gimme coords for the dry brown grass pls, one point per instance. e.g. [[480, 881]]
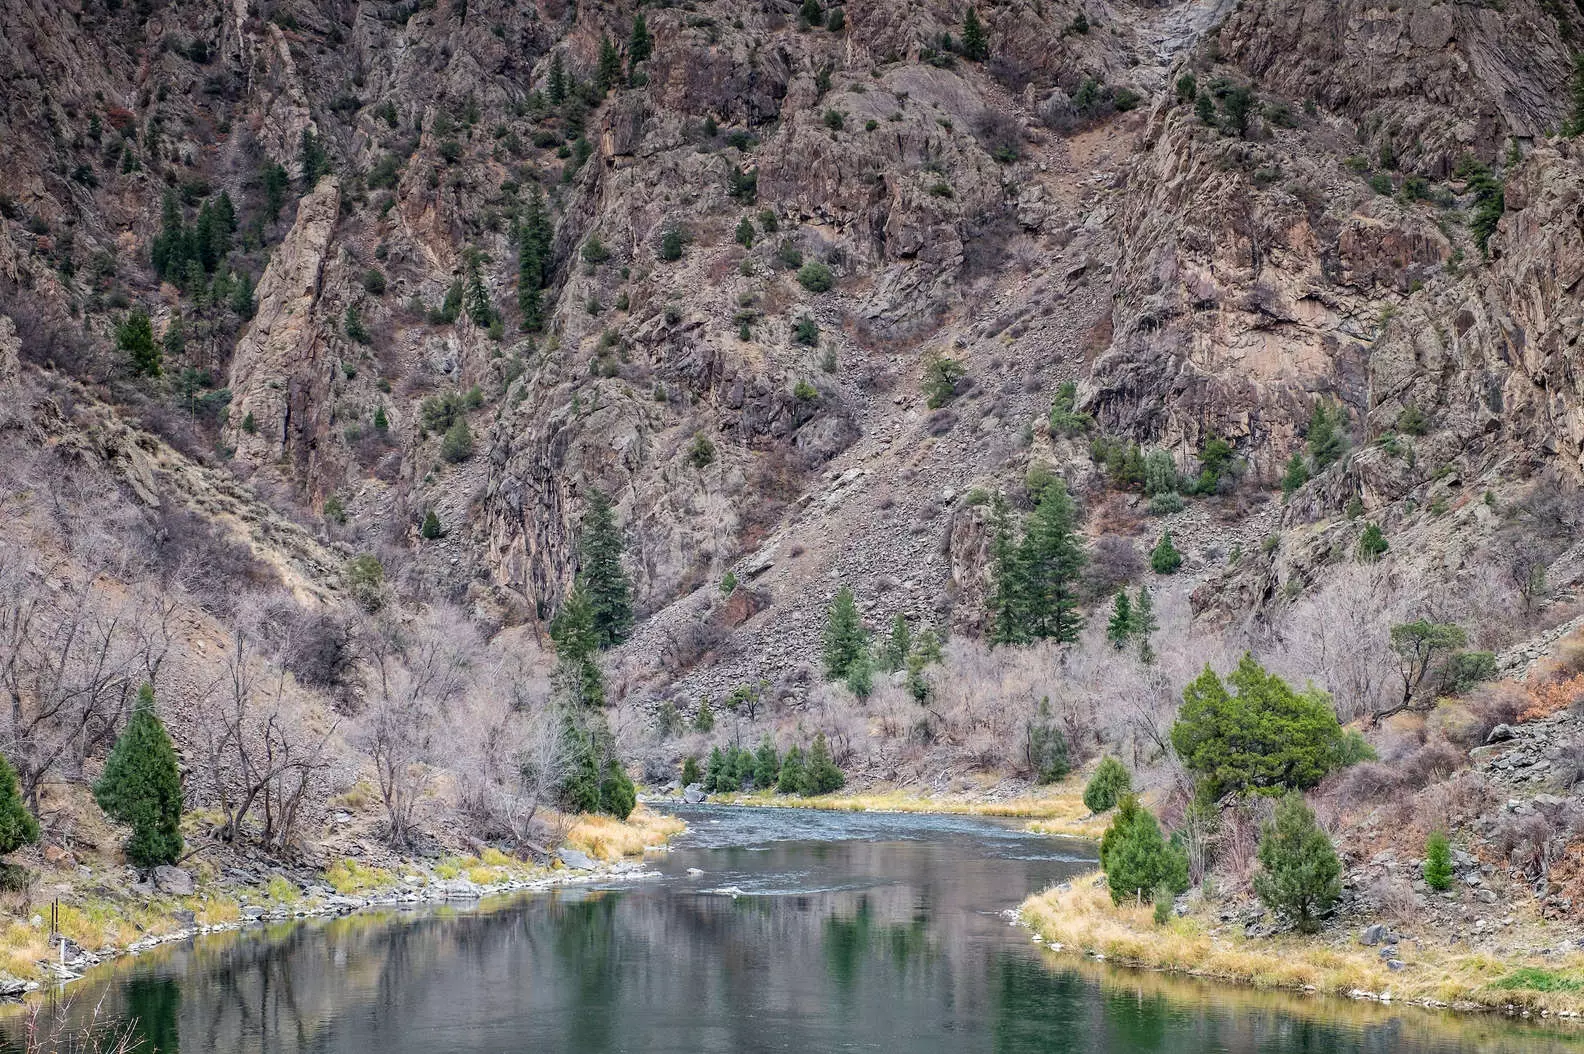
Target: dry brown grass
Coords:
[[1057, 809], [1083, 919], [607, 838]]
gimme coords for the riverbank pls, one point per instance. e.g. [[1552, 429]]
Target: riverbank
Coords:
[[1057, 809], [103, 916], [1078, 917]]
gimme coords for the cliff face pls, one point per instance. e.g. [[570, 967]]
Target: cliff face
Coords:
[[1058, 211]]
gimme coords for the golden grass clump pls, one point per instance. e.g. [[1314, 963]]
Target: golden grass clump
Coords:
[[1081, 918], [607, 838]]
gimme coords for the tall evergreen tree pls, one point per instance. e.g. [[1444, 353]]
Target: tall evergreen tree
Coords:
[[639, 44], [476, 293], [1007, 615], [609, 64], [17, 825], [601, 573], [1145, 624], [1299, 870], [793, 775], [556, 89], [169, 250], [898, 644], [141, 786], [534, 237], [844, 637], [822, 776], [577, 642], [1326, 436], [313, 162], [1052, 558], [1120, 628], [135, 337], [767, 764], [975, 44]]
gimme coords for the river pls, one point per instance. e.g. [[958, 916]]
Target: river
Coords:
[[769, 930]]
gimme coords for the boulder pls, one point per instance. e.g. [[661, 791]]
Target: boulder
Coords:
[[1372, 934], [173, 881], [1500, 734], [694, 794], [576, 861]]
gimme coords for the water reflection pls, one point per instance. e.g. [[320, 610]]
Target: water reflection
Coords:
[[805, 932]]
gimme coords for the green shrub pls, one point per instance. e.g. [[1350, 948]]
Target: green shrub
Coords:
[[17, 825], [1260, 737], [1438, 862], [1136, 859], [1299, 870], [431, 529], [941, 374], [1109, 784], [815, 277], [457, 446], [1372, 543], [1164, 558], [806, 331], [702, 453], [141, 786]]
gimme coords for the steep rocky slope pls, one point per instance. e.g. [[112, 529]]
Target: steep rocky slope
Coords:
[[759, 233]]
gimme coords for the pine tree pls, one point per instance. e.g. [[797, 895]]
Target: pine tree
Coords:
[[381, 421], [1051, 558], [1109, 784], [812, 13], [1438, 862], [557, 87], [860, 676], [897, 645], [975, 45], [135, 337], [690, 771], [431, 526], [609, 75], [312, 160], [1145, 624], [476, 294], [169, 250], [844, 637], [793, 773], [601, 572], [767, 764], [1120, 628], [141, 786], [822, 776], [1006, 608], [639, 44], [17, 825], [1297, 474], [534, 237], [704, 720], [1046, 746], [457, 445], [1299, 870], [745, 233], [1164, 558], [577, 641]]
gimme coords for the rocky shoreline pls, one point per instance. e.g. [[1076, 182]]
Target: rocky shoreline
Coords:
[[416, 888], [1077, 918]]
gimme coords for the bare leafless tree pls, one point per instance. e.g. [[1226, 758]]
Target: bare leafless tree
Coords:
[[419, 669]]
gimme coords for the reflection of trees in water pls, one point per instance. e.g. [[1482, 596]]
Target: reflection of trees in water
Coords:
[[871, 945], [153, 1004]]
